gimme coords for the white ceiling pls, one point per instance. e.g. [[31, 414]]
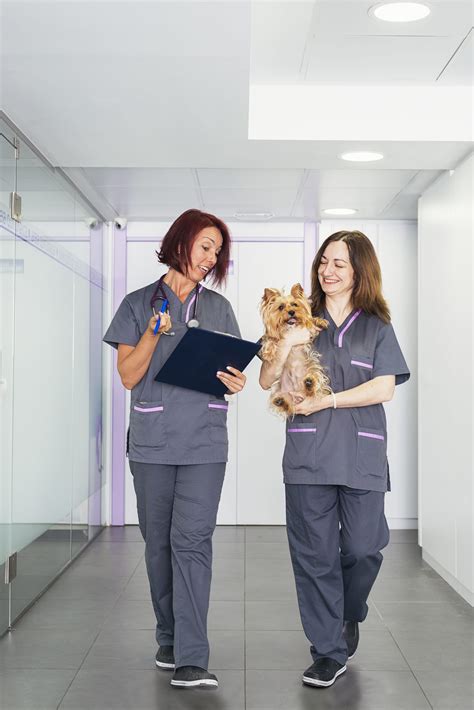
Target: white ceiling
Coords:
[[146, 103]]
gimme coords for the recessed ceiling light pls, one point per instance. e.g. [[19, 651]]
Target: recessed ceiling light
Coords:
[[400, 11], [253, 215], [340, 211], [362, 156]]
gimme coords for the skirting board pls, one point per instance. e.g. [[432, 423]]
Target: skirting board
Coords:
[[402, 523], [463, 591]]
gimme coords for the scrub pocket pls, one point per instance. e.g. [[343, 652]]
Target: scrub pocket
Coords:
[[300, 447], [371, 452], [147, 424], [218, 421]]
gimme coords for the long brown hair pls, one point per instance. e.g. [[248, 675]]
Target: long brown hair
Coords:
[[367, 291], [178, 241]]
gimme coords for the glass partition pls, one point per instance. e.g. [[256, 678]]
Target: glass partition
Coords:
[[7, 280], [55, 380]]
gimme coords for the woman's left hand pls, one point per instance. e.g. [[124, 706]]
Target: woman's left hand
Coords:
[[312, 404], [234, 382]]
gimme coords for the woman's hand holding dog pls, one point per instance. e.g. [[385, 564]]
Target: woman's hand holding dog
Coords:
[[313, 404]]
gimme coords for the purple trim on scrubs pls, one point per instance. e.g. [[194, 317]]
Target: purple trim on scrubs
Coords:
[[362, 364], [148, 409], [370, 436], [218, 406], [303, 430], [341, 334], [191, 303]]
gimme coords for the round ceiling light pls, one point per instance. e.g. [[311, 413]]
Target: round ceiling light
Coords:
[[340, 211], [362, 156], [400, 11]]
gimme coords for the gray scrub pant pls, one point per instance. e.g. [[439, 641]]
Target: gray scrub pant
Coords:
[[177, 510], [335, 535]]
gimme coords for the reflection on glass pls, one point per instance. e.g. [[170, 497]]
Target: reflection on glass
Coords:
[[52, 479]]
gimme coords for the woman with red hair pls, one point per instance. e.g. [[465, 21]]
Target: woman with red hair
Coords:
[[178, 437]]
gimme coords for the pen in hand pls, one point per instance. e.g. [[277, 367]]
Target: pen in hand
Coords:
[[162, 310]]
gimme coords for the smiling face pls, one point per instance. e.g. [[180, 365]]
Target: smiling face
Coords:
[[335, 273], [204, 252]]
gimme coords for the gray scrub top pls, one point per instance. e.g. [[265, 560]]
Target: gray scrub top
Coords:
[[347, 446], [173, 425]]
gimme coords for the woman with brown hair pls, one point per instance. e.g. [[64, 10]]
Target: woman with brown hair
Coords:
[[335, 462], [178, 437]]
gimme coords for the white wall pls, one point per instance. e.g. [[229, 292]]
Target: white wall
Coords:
[[279, 255], [446, 312]]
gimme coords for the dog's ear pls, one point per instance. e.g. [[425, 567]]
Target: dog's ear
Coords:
[[268, 294], [297, 291]]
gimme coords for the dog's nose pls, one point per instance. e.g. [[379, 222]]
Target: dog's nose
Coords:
[[291, 313]]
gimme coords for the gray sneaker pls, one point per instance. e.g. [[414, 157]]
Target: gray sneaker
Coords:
[[193, 677], [165, 658]]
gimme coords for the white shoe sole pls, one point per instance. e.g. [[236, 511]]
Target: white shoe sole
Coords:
[[165, 666], [323, 683], [205, 683], [350, 657]]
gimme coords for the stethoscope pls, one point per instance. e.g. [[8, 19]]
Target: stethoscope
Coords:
[[160, 295]]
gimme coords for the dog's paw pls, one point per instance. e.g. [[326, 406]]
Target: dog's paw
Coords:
[[321, 323]]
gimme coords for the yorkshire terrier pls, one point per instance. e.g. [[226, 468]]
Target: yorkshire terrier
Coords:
[[302, 375]]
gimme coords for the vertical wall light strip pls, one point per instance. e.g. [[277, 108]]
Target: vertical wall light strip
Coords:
[[96, 237], [119, 248], [310, 248]]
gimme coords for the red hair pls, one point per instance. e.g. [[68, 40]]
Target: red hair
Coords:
[[178, 242]]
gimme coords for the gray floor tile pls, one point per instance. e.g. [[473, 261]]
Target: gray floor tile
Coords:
[[378, 651], [123, 648], [426, 649], [55, 649], [128, 533], [229, 533], [269, 579], [134, 550], [268, 549], [448, 691], [355, 690], [403, 536], [225, 615], [266, 533], [227, 649], [413, 589], [268, 650], [228, 550], [149, 690], [28, 689], [228, 579], [447, 618], [131, 614], [73, 587], [52, 612], [272, 616]]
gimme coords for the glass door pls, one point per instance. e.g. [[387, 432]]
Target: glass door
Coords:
[[8, 267]]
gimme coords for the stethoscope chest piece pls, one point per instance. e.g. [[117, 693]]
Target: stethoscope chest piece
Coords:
[[193, 323]]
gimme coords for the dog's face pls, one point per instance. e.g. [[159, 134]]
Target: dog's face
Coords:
[[280, 310]]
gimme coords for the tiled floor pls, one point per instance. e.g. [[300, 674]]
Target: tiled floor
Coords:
[[88, 644]]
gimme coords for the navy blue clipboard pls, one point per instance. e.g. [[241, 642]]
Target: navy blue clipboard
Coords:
[[194, 362]]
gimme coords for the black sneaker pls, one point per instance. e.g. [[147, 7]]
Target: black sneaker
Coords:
[[350, 631], [165, 658], [323, 672], [193, 677]]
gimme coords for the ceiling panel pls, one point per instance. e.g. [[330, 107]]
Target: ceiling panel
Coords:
[[387, 60], [250, 178]]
